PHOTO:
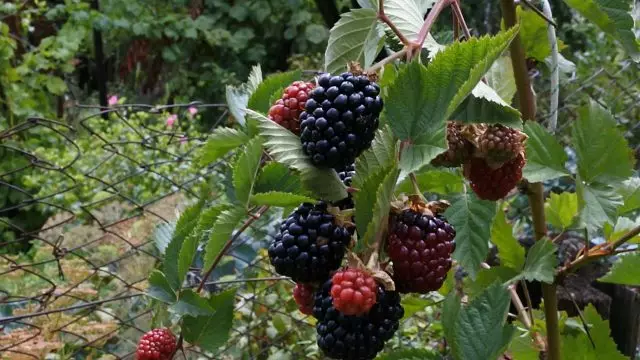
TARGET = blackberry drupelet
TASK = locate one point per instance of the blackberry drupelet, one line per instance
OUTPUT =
(157, 344)
(286, 111)
(304, 295)
(340, 119)
(353, 291)
(459, 148)
(420, 246)
(346, 176)
(494, 184)
(310, 244)
(351, 337)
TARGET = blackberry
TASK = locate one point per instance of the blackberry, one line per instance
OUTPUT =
(340, 119)
(346, 176)
(494, 184)
(420, 247)
(500, 143)
(459, 148)
(304, 295)
(286, 111)
(310, 244)
(157, 344)
(352, 337)
(353, 291)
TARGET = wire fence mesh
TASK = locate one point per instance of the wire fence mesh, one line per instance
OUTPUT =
(85, 206)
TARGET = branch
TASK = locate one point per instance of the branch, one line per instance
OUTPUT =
(385, 61)
(227, 245)
(457, 13)
(428, 22)
(384, 18)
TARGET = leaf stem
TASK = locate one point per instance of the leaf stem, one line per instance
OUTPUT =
(414, 182)
(229, 242)
(457, 14)
(385, 19)
(388, 59)
(428, 22)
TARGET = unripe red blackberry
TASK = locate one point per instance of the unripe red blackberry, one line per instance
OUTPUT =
(157, 344)
(310, 244)
(420, 246)
(459, 148)
(351, 337)
(340, 119)
(494, 184)
(500, 143)
(286, 111)
(304, 295)
(353, 291)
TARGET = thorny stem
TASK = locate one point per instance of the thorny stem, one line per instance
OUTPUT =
(431, 18)
(535, 190)
(229, 242)
(388, 59)
(384, 18)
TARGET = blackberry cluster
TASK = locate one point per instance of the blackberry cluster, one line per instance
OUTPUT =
(309, 244)
(501, 143)
(420, 247)
(351, 337)
(286, 111)
(494, 184)
(340, 119)
(459, 148)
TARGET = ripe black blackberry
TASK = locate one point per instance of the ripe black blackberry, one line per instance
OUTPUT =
(310, 244)
(351, 337)
(420, 246)
(340, 119)
(346, 176)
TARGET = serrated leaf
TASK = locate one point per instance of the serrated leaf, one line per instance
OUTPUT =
(285, 147)
(450, 312)
(357, 36)
(185, 224)
(190, 303)
(598, 204)
(381, 207)
(541, 262)
(280, 199)
(221, 232)
(441, 182)
(625, 271)
(561, 209)
(480, 329)
(545, 156)
(614, 18)
(630, 192)
(422, 99)
(274, 176)
(422, 150)
(245, 170)
(501, 79)
(190, 245)
(162, 236)
(622, 226)
(487, 277)
(259, 100)
(381, 154)
(510, 252)
(472, 218)
(603, 153)
(483, 104)
(220, 142)
(580, 347)
(159, 288)
(410, 354)
(238, 97)
(408, 17)
(211, 332)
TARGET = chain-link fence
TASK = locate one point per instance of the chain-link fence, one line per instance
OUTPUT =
(86, 206)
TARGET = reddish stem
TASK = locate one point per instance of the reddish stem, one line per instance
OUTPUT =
(457, 14)
(384, 18)
(428, 22)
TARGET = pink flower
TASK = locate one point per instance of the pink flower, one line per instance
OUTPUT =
(113, 100)
(192, 110)
(172, 119)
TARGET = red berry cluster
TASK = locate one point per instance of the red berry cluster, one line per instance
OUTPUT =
(304, 295)
(493, 184)
(286, 111)
(353, 291)
(157, 344)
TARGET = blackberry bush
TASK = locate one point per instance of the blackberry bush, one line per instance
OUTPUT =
(340, 119)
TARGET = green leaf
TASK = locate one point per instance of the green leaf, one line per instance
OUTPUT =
(355, 37)
(190, 244)
(381, 154)
(580, 347)
(510, 252)
(220, 142)
(441, 182)
(221, 233)
(190, 303)
(484, 103)
(186, 223)
(286, 148)
(410, 354)
(630, 192)
(480, 331)
(561, 209)
(211, 332)
(603, 153)
(274, 176)
(612, 17)
(533, 29)
(472, 218)
(621, 228)
(408, 17)
(450, 312)
(422, 99)
(280, 199)
(524, 348)
(545, 156)
(159, 288)
(238, 97)
(414, 304)
(487, 277)
(541, 261)
(598, 205)
(500, 77)
(259, 100)
(162, 236)
(422, 150)
(625, 271)
(245, 170)
(373, 204)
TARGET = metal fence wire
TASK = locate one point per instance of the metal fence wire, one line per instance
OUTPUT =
(85, 207)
